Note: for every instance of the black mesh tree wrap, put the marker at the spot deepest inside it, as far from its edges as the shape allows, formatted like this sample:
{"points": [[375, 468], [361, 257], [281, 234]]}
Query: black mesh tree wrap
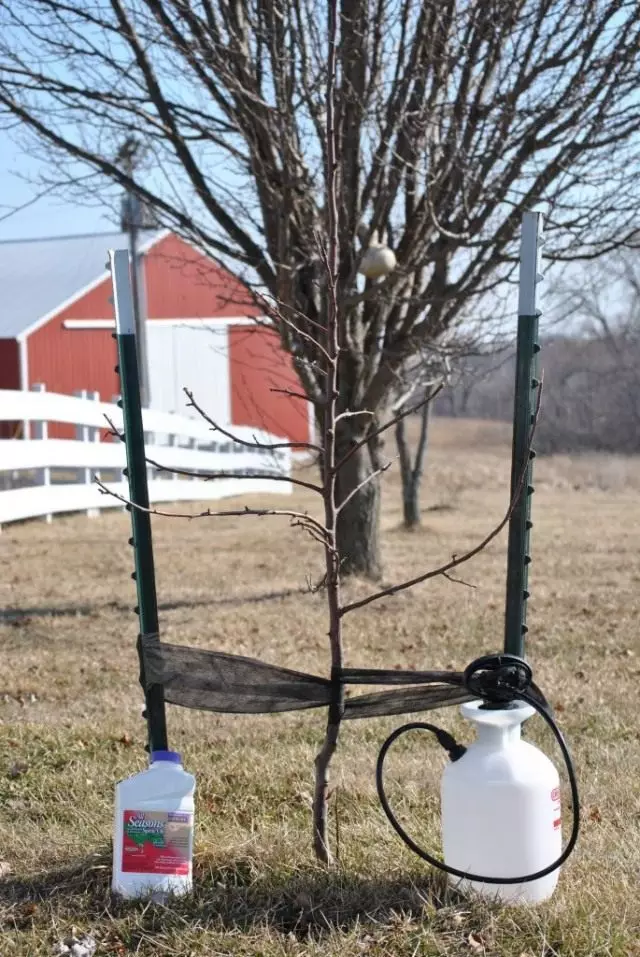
{"points": [[233, 684]]}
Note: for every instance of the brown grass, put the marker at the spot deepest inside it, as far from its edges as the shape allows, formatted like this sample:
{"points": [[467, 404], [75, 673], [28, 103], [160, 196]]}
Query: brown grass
{"points": [[70, 725]]}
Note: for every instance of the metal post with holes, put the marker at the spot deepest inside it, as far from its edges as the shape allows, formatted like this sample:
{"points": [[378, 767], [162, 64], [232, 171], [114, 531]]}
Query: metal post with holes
{"points": [[526, 387], [144, 574]]}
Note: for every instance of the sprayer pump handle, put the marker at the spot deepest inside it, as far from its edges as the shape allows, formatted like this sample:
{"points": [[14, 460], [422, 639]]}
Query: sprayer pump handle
{"points": [[498, 677]]}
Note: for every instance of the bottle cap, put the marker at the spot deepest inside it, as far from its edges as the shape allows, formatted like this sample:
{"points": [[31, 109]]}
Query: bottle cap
{"points": [[171, 756]]}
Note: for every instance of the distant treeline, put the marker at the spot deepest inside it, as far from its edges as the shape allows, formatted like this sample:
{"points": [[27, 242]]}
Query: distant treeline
{"points": [[591, 397]]}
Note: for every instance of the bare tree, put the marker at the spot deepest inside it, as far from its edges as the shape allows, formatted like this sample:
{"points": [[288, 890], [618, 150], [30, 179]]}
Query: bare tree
{"points": [[425, 377], [592, 362], [429, 374], [451, 118], [594, 403], [481, 384], [412, 467]]}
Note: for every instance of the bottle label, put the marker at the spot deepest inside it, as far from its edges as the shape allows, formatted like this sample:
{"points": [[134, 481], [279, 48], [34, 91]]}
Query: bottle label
{"points": [[555, 797], [157, 842]]}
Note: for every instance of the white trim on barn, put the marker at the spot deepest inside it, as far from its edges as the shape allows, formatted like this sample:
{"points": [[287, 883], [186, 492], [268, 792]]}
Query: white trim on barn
{"points": [[208, 321], [23, 358], [43, 320], [88, 324]]}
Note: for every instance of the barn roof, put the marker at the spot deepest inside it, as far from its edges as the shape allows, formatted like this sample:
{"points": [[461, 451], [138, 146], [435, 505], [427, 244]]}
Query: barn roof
{"points": [[39, 276]]}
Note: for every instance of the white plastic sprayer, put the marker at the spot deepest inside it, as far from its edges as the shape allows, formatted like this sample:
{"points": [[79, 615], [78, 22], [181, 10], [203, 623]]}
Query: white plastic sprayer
{"points": [[500, 796], [501, 807]]}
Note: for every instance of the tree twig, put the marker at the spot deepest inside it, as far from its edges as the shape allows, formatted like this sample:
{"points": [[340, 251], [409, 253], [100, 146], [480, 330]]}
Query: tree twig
{"points": [[212, 513], [207, 476], [291, 393], [254, 443], [458, 581], [368, 478], [247, 474], [352, 415]]}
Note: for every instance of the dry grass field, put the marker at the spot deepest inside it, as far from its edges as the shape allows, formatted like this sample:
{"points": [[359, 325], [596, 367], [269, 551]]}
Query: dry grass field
{"points": [[70, 722]]}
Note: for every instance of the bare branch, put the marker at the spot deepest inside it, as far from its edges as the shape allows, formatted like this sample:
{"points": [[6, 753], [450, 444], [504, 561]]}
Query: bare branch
{"points": [[371, 477], [291, 393], [301, 517], [353, 415], [209, 476], [254, 443], [457, 581], [245, 474], [322, 540]]}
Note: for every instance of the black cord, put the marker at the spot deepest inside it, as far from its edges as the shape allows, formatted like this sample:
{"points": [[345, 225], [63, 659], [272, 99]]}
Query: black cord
{"points": [[499, 679]]}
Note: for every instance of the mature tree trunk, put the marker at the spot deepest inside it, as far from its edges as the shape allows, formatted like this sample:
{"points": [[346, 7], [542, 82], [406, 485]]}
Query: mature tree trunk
{"points": [[358, 529], [412, 471], [359, 520]]}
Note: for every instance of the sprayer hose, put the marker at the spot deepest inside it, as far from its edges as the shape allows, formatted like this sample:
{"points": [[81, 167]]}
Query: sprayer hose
{"points": [[455, 751]]}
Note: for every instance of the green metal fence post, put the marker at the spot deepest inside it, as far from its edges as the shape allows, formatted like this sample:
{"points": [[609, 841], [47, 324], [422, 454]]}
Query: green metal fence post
{"points": [[520, 524], [147, 608]]}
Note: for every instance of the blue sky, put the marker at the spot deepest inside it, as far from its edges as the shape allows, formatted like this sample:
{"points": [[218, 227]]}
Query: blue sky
{"points": [[48, 216]]}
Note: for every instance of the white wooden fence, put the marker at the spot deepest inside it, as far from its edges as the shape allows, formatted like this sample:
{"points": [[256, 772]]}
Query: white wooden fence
{"points": [[42, 476]]}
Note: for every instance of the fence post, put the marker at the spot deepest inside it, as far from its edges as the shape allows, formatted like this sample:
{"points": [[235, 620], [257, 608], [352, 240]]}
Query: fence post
{"points": [[520, 524], [93, 436], [87, 433], [40, 430], [149, 439], [172, 444], [193, 445], [80, 430], [147, 608]]}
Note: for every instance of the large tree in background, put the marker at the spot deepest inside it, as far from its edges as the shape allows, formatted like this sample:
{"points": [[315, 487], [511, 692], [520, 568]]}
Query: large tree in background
{"points": [[452, 117]]}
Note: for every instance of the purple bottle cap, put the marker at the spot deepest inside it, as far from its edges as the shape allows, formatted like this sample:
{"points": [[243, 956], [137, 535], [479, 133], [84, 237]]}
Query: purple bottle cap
{"points": [[171, 756]]}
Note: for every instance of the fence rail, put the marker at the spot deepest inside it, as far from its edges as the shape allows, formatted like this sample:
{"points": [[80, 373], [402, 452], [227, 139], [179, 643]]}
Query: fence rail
{"points": [[44, 476]]}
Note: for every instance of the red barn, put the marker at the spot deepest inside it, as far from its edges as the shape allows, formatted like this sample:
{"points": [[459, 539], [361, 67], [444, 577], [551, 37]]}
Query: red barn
{"points": [[56, 319]]}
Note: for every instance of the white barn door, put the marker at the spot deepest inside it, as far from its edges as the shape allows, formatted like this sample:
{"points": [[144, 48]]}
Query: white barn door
{"points": [[191, 355]]}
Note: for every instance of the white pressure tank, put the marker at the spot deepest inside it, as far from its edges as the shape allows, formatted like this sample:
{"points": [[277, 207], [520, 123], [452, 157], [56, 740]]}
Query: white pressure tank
{"points": [[153, 830], [501, 808]]}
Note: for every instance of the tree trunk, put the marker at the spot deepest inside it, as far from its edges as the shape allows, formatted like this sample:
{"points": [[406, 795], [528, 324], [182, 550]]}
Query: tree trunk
{"points": [[412, 472], [410, 503], [321, 791], [358, 529]]}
